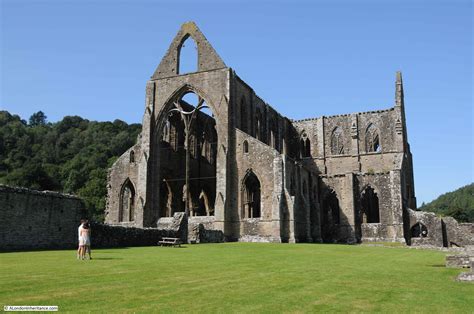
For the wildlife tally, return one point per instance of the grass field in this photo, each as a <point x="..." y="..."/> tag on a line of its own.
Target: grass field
<point x="236" y="277"/>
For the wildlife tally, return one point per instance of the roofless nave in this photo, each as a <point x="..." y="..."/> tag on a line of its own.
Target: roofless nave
<point x="254" y="174"/>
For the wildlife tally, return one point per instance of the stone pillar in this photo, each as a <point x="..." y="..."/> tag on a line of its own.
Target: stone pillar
<point x="350" y="204"/>
<point x="321" y="141"/>
<point x="144" y="212"/>
<point x="356" y="166"/>
<point x="395" y="232"/>
<point x="278" y="190"/>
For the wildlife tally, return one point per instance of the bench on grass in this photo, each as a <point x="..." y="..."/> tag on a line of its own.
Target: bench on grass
<point x="170" y="242"/>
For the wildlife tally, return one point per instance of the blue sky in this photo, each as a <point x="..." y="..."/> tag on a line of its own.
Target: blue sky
<point x="305" y="58"/>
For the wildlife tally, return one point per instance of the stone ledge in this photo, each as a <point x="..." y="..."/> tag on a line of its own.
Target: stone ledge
<point x="20" y="190"/>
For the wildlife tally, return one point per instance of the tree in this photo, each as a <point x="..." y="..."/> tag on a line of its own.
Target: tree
<point x="38" y="118"/>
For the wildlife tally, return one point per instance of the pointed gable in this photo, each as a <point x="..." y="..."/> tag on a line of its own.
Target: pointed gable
<point x="208" y="59"/>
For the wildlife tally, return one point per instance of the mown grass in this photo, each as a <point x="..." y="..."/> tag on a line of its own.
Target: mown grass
<point x="236" y="277"/>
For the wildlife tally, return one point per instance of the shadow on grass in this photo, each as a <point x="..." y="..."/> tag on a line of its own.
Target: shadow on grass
<point x="438" y="265"/>
<point x="105" y="258"/>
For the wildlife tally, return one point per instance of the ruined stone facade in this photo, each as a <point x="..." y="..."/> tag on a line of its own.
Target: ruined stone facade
<point x="255" y="174"/>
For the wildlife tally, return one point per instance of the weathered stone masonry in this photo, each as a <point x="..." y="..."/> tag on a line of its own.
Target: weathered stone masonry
<point x="38" y="220"/>
<point x="257" y="175"/>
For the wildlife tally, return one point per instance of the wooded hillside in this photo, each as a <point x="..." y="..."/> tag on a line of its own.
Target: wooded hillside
<point x="458" y="204"/>
<point x="70" y="156"/>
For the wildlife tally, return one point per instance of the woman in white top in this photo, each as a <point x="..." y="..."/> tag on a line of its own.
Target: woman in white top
<point x="79" y="238"/>
<point x="85" y="240"/>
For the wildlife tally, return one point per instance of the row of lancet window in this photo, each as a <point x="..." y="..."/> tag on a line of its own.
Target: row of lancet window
<point x="372" y="141"/>
<point x="369" y="207"/>
<point x="244" y="124"/>
<point x="203" y="145"/>
<point x="201" y="204"/>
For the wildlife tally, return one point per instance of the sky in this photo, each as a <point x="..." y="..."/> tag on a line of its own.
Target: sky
<point x="305" y="58"/>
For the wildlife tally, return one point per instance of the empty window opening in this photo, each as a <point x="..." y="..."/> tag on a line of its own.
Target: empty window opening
<point x="204" y="208"/>
<point x="305" y="146"/>
<point x="187" y="56"/>
<point x="132" y="156"/>
<point x="370" y="206"/>
<point x="127" y="202"/>
<point x="251" y="196"/>
<point x="337" y="142"/>
<point x="419" y="230"/>
<point x="246" y="147"/>
<point x="372" y="140"/>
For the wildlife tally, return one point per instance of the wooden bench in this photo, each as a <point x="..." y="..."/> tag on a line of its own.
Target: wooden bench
<point x="170" y="242"/>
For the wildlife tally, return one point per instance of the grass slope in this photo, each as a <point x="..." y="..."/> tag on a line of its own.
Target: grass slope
<point x="236" y="277"/>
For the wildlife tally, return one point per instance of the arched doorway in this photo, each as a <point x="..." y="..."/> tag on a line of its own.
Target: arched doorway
<point x="251" y="196"/>
<point x="127" y="202"/>
<point x="330" y="216"/>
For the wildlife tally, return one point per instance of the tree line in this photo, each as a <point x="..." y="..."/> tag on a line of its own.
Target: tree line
<point x="70" y="156"/>
<point x="458" y="204"/>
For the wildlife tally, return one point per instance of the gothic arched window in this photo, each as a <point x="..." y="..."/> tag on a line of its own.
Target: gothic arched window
<point x="305" y="146"/>
<point x="187" y="56"/>
<point x="127" y="202"/>
<point x="246" y="147"/>
<point x="337" y="142"/>
<point x="372" y="140"/>
<point x="370" y="206"/>
<point x="251" y="196"/>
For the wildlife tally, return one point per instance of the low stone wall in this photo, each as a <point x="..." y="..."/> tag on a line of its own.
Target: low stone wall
<point x="103" y="236"/>
<point x="201" y="230"/>
<point x="32" y="220"/>
<point x="441" y="231"/>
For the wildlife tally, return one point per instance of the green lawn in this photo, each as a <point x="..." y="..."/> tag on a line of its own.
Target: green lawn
<point x="236" y="277"/>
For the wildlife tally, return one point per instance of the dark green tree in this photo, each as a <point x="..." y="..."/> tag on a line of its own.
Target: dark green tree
<point x="38" y="118"/>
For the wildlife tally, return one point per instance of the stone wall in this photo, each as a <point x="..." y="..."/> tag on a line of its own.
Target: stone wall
<point x="438" y="231"/>
<point x="33" y="220"/>
<point x="202" y="230"/>
<point x="106" y="236"/>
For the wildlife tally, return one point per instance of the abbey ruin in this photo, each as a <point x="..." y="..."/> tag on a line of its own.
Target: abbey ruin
<point x="256" y="175"/>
